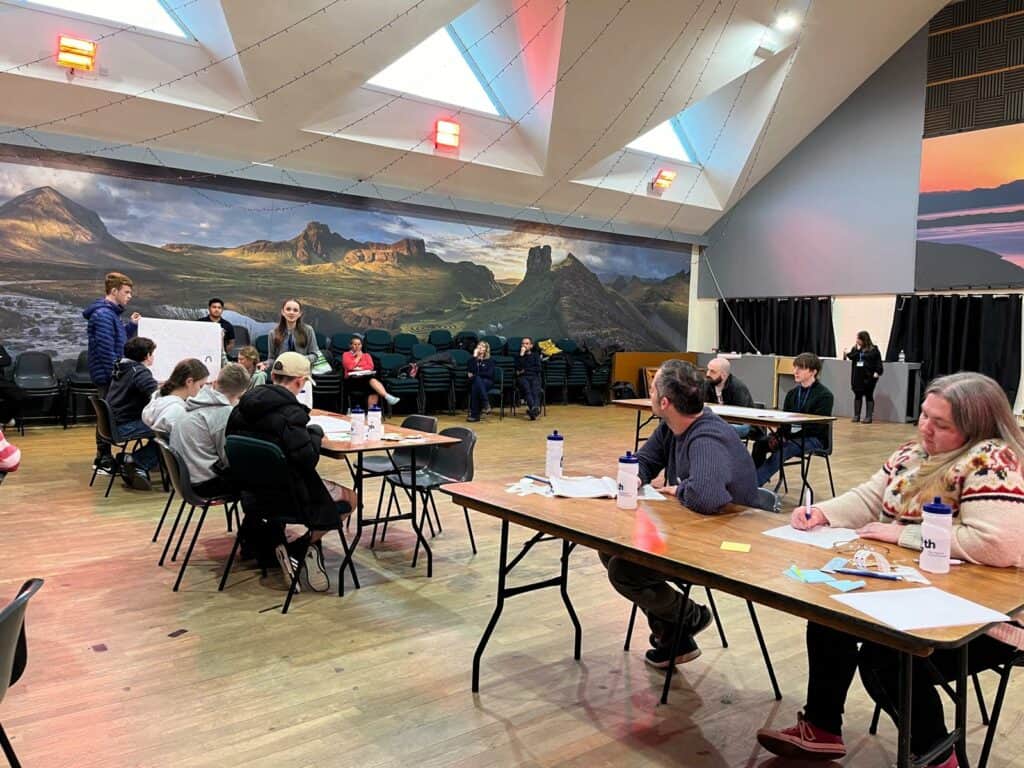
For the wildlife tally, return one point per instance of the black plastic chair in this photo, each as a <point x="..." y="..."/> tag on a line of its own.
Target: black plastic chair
<point x="601" y="379"/>
<point x="496" y="343"/>
<point x="34" y="374"/>
<point x="78" y="384"/>
<point x="465" y="339"/>
<point x="441" y="339"/>
<point x="804" y="462"/>
<point x="497" y="390"/>
<point x="767" y="500"/>
<point x="14" y="651"/>
<point x="460" y="375"/>
<point x="566" y="345"/>
<point x="435" y="379"/>
<point x="555" y="375"/>
<point x="182" y="485"/>
<point x="507" y="385"/>
<point x="404" y="342"/>
<point x="260" y="468"/>
<point x="106" y="428"/>
<point x="262" y="344"/>
<point x="402" y="387"/>
<point x="419" y="351"/>
<point x="449" y="464"/>
<point x="242" y="338"/>
<point x="327" y="391"/>
<point x="577" y="379"/>
<point x="377" y="465"/>
<point x="377" y="341"/>
<point x="321" y="340"/>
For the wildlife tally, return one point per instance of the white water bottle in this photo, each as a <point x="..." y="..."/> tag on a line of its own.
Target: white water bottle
<point x="358" y="418"/>
<point x="936" y="536"/>
<point x="556" y="447"/>
<point x="373" y="423"/>
<point x="629" y="481"/>
<point x="902" y="357"/>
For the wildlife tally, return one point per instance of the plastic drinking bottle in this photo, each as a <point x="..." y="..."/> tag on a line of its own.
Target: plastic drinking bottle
<point x="936" y="536"/>
<point x="373" y="423"/>
<point x="358" y="418"/>
<point x="556" y="446"/>
<point x="629" y="481"/>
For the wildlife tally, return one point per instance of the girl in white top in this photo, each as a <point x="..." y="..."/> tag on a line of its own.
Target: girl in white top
<point x="168" y="403"/>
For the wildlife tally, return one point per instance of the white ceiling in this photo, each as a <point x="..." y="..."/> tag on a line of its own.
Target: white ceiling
<point x="578" y="79"/>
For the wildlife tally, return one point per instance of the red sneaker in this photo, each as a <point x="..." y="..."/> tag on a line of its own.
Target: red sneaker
<point x="803" y="740"/>
<point x="949" y="762"/>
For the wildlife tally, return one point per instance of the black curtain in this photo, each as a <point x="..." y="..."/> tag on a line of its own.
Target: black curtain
<point x="954" y="333"/>
<point x="777" y="326"/>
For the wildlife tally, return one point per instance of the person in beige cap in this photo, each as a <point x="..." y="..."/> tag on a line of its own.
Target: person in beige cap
<point x="273" y="413"/>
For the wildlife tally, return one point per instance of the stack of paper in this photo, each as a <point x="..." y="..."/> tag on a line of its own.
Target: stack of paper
<point x="584" y="487"/>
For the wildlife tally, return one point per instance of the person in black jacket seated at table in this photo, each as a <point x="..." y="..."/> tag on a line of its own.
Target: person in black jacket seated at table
<point x="131" y="388"/>
<point x="721" y="387"/>
<point x="705" y="467"/>
<point x="481" y="379"/>
<point x="809" y="396"/>
<point x="867" y="368"/>
<point x="273" y="413"/>
<point x="527" y="367"/>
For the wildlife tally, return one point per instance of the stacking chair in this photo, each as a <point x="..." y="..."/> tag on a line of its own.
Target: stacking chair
<point x="182" y="485"/>
<point x="568" y="346"/>
<point x="403" y="387"/>
<point x="441" y="339"/>
<point x="419" y="351"/>
<point x="512" y="345"/>
<point x="262" y="345"/>
<point x="78" y="385"/>
<point x="33" y="372"/>
<point x="378" y="465"/>
<point x="260" y="468"/>
<point x="404" y="342"/>
<point x="435" y="380"/>
<point x="460" y="376"/>
<point x="377" y="341"/>
<point x="577" y="379"/>
<point x="496" y="343"/>
<point x="804" y="462"/>
<point x="769" y="501"/>
<point x="14" y="651"/>
<point x="507" y="383"/>
<point x="321" y="340"/>
<point x="463" y="339"/>
<point x="340" y="343"/>
<point x="497" y="390"/>
<point x="242" y="338"/>
<point x="601" y="379"/>
<point x="555" y="375"/>
<point x="327" y="391"/>
<point x="106" y="428"/>
<point x="448" y="464"/>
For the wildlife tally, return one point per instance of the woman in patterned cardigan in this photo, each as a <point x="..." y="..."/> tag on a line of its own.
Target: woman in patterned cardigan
<point x="968" y="453"/>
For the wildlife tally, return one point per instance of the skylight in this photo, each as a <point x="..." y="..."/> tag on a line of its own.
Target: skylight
<point x="663" y="140"/>
<point x="145" y="14"/>
<point x="437" y="70"/>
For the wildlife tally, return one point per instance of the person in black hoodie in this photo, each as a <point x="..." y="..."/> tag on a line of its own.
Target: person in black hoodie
<point x="527" y="366"/>
<point x="273" y="413"/>
<point x="721" y="387"/>
<point x="131" y="388"/>
<point x="867" y="368"/>
<point x="482" y="371"/>
<point x="808" y="396"/>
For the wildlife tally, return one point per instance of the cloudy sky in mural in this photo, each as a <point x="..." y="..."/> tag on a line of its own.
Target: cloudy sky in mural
<point x="156" y="214"/>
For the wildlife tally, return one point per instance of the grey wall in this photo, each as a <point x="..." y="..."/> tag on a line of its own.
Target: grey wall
<point x="838" y="215"/>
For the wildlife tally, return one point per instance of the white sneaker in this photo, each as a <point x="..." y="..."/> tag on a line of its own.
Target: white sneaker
<point x="392" y="399"/>
<point x="288" y="565"/>
<point x="315" y="571"/>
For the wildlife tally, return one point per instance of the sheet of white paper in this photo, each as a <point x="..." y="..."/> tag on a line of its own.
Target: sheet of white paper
<point x="331" y="424"/>
<point x="177" y="340"/>
<point x="584" y="487"/>
<point x="823" y="536"/>
<point x="648" y="493"/>
<point x="922" y="608"/>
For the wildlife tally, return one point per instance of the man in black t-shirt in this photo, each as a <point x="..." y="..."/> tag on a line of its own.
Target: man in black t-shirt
<point x="215" y="314"/>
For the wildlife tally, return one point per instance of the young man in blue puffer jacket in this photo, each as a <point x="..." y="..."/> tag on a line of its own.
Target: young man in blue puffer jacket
<point x="107" y="334"/>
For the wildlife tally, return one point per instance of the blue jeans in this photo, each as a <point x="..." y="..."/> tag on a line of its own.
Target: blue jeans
<point x="478" y="395"/>
<point x="790" y="449"/>
<point x="742" y="430"/>
<point x="145" y="457"/>
<point x="530" y="387"/>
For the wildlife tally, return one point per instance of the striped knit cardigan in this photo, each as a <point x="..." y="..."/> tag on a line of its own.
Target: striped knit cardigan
<point x="985" y="489"/>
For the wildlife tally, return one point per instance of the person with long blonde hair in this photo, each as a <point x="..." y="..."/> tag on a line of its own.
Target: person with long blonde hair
<point x="968" y="454"/>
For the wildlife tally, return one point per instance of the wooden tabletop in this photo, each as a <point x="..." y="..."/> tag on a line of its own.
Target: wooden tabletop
<point x="683" y="544"/>
<point x="760" y="417"/>
<point x="413" y="438"/>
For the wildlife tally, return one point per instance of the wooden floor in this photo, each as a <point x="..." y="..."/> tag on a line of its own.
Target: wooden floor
<point x="123" y="672"/>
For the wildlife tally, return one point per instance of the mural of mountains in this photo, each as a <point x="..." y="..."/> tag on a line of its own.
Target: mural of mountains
<point x="983" y="197"/>
<point x="56" y="250"/>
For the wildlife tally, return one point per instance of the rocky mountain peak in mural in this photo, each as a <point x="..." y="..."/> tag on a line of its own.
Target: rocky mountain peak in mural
<point x="43" y="225"/>
<point x="316" y="243"/>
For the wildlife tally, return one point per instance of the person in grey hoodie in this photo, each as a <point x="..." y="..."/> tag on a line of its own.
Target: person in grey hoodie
<point x="168" y="403"/>
<point x="198" y="436"/>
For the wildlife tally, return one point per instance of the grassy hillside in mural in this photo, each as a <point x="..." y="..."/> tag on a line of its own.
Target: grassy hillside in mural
<point x="54" y="252"/>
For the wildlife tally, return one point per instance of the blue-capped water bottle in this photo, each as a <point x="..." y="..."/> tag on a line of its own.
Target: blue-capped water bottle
<point x="936" y="536"/>
<point x="629" y="481"/>
<point x="555" y="455"/>
<point x="358" y="418"/>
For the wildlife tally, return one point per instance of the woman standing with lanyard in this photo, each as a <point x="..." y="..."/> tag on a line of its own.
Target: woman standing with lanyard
<point x="867" y="368"/>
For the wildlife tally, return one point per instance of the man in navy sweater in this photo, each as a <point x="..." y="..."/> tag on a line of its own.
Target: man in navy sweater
<point x="705" y="467"/>
<point x="107" y="335"/>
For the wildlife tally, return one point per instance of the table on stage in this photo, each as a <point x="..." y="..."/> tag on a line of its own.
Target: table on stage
<point x="412" y="439"/>
<point x="687" y="546"/>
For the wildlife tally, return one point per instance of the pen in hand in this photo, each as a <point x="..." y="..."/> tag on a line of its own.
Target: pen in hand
<point x="808" y="502"/>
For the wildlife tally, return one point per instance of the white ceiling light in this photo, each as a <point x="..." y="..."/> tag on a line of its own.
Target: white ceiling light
<point x="145" y="14"/>
<point x="663" y="140"/>
<point x="787" y="22"/>
<point x="437" y="70"/>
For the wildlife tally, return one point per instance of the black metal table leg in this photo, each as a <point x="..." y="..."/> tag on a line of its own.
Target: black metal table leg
<point x="567" y="549"/>
<point x="903" y="759"/>
<point x="961" y="708"/>
<point x="498" y="606"/>
<point x="350" y="551"/>
<point x="417" y="525"/>
<point x="636" y="441"/>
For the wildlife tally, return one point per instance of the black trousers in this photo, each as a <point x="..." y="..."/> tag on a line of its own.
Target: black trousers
<point x="530" y="387"/>
<point x="833" y="658"/>
<point x="865" y="389"/>
<point x="652" y="594"/>
<point x="11" y="397"/>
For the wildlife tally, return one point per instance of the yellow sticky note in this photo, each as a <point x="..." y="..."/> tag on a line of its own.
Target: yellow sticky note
<point x="735" y="546"/>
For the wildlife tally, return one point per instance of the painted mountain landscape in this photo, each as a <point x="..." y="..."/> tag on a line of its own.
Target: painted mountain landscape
<point x="351" y="269"/>
<point x="970" y="223"/>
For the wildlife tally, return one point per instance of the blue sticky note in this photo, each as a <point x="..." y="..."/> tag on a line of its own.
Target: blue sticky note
<point x="794" y="573"/>
<point x="817" y="577"/>
<point x="831" y="565"/>
<point x="846" y="585"/>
